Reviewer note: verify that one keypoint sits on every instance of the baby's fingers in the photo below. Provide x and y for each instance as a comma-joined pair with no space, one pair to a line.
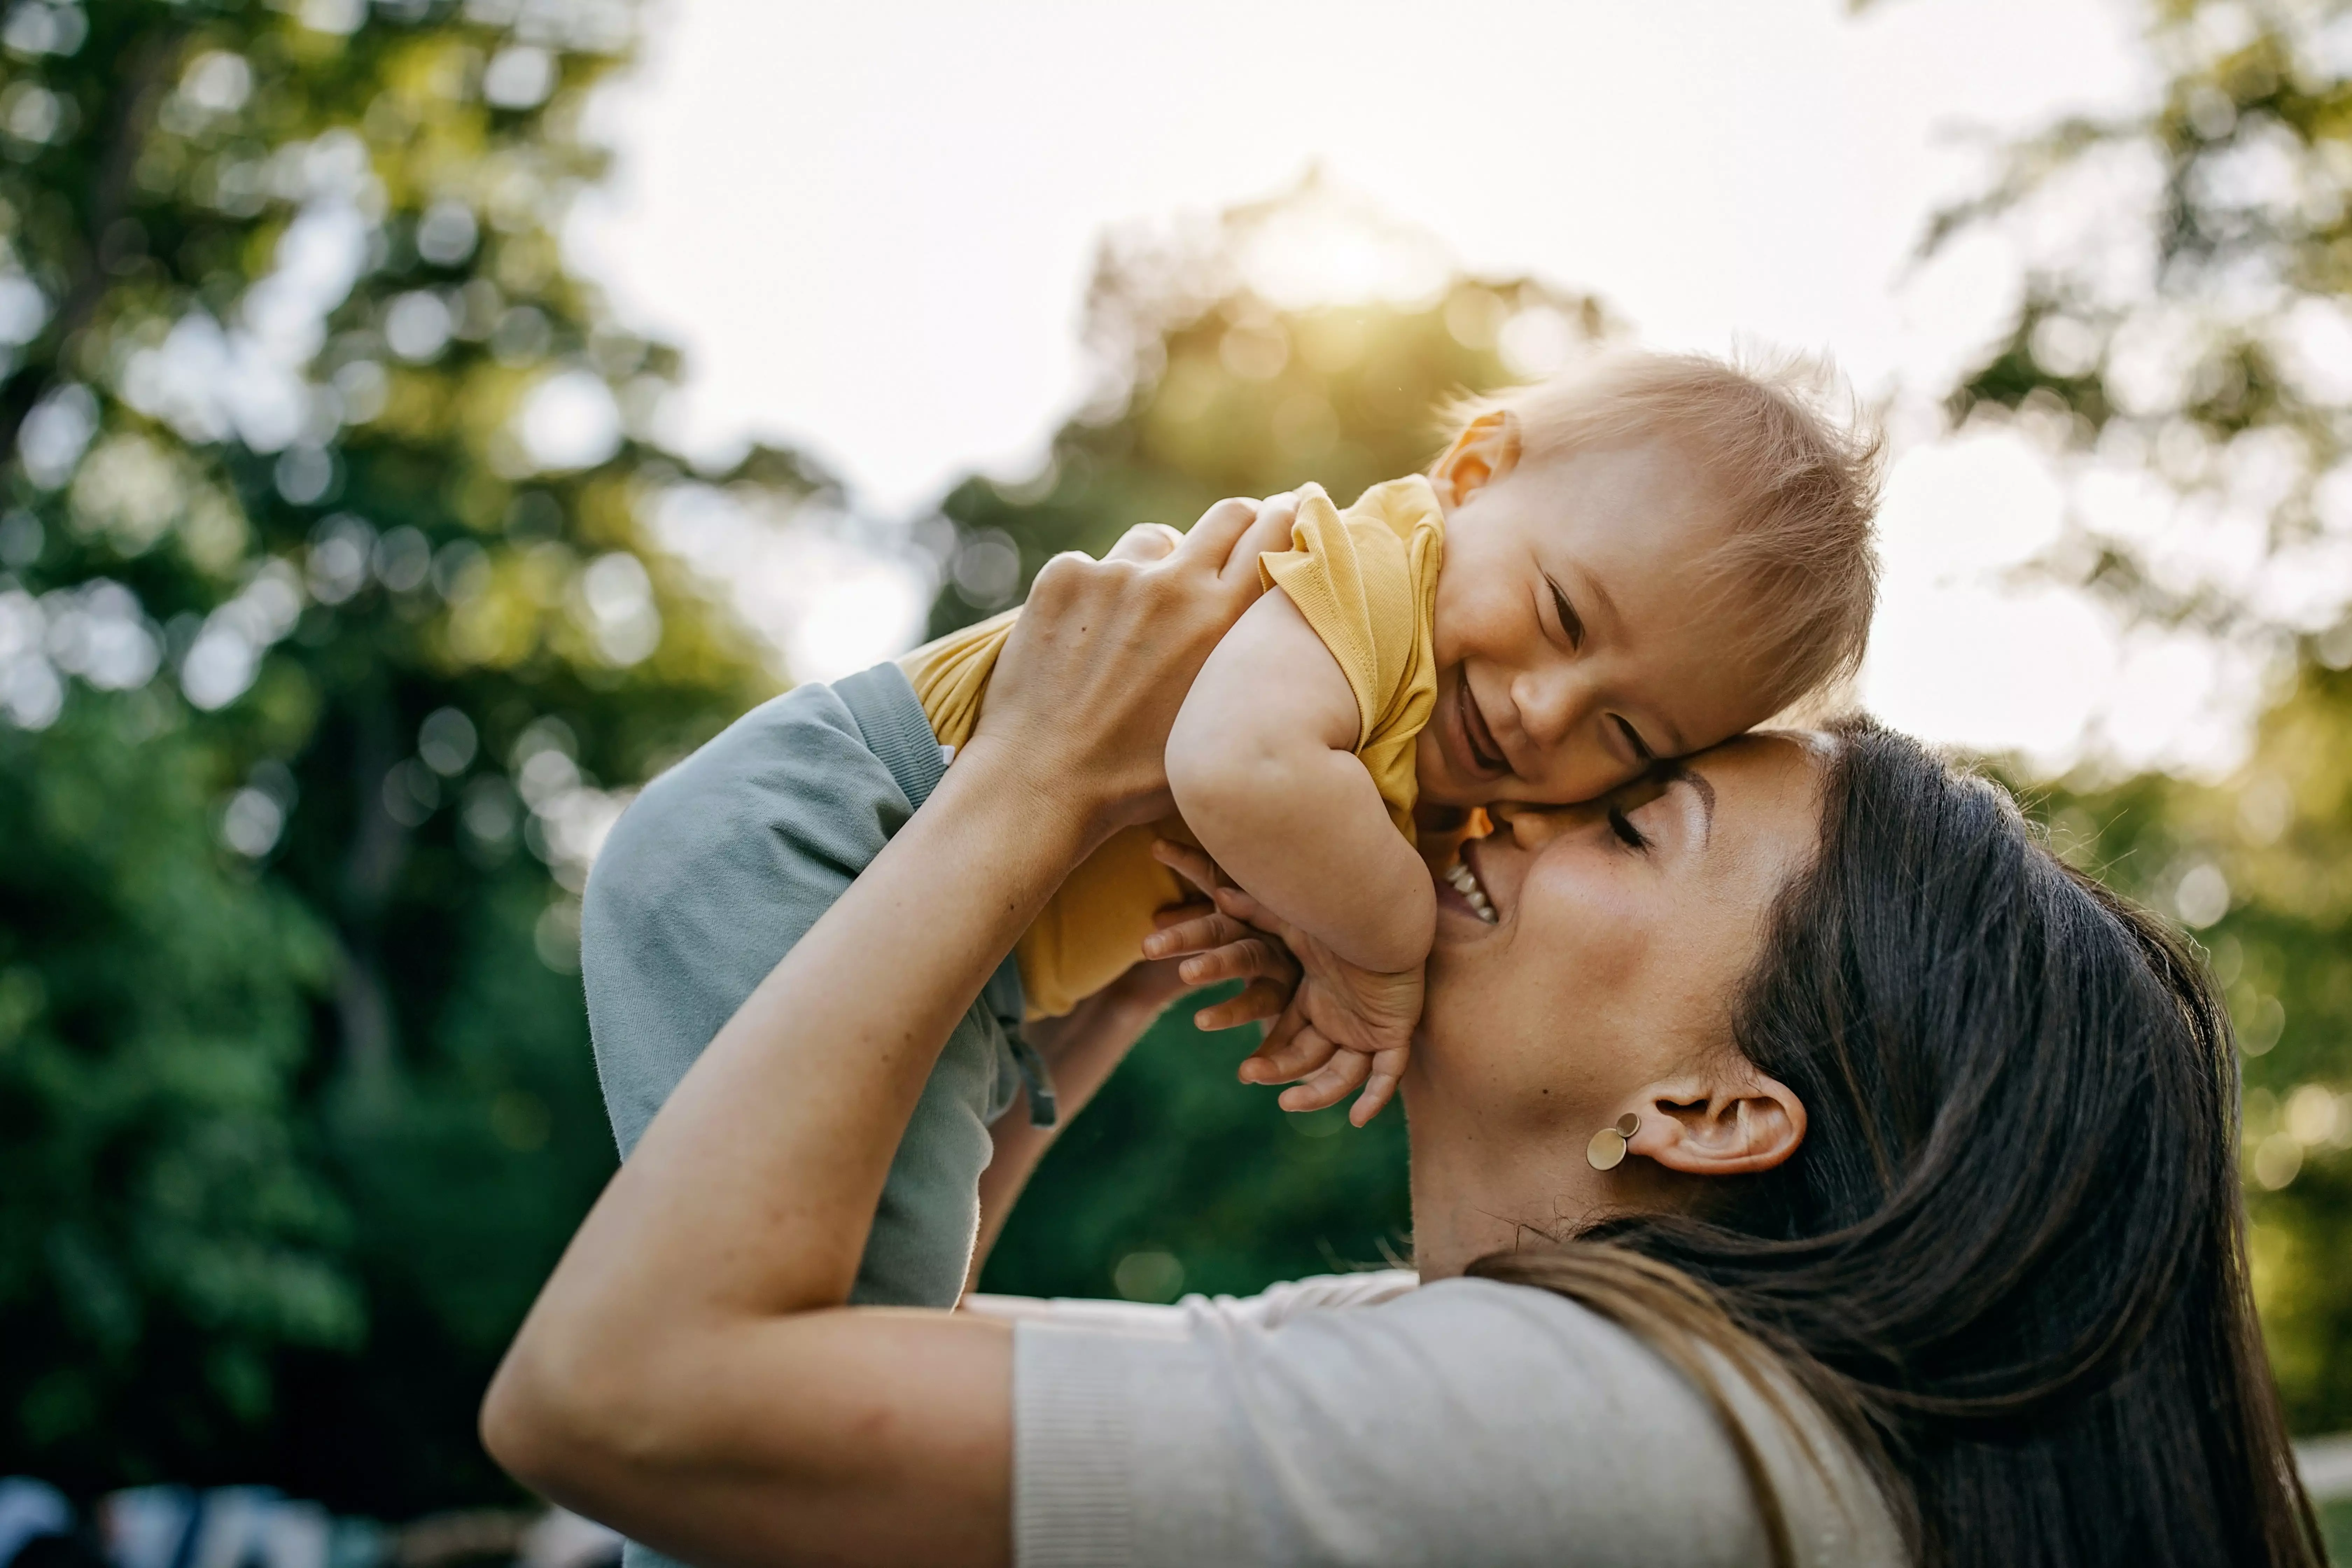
1388,1071
1188,861
1258,1000
1253,959
1336,1079
1291,1051
1239,905
1199,932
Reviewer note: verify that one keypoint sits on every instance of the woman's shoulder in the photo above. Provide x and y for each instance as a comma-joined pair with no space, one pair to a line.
1462,1421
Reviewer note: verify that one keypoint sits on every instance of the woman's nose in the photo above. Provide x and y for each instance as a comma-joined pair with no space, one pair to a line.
1530,827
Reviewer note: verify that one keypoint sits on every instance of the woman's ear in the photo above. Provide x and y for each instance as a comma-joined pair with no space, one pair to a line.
1728,1127
1487,448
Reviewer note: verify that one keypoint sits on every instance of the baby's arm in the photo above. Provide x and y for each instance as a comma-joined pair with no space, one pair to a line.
1263,767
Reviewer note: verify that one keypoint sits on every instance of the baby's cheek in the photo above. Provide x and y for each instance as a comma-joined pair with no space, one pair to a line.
1433,776
1573,775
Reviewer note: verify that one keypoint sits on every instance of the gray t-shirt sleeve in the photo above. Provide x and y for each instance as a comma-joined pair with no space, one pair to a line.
714,872
1467,1423
717,869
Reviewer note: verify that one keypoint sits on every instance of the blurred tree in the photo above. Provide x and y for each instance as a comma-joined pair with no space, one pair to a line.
327,600
1226,368
2184,343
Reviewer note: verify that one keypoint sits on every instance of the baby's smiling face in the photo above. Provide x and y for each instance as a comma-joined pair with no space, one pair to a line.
1576,639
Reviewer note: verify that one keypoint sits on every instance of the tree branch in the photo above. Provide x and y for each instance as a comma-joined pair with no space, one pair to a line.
138,89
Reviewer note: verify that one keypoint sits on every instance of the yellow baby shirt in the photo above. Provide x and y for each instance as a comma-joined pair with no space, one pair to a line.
1366,580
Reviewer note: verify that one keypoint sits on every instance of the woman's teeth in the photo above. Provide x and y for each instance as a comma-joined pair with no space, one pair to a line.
1465,884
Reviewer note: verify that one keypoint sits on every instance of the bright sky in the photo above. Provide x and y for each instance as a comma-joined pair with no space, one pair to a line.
870,226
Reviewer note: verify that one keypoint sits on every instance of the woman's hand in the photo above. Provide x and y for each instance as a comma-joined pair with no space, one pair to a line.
1342,1027
1091,678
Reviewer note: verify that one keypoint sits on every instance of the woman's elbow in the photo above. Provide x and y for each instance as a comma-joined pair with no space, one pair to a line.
526,1426
562,1428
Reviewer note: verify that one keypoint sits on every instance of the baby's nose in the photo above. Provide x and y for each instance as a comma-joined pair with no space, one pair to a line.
1549,703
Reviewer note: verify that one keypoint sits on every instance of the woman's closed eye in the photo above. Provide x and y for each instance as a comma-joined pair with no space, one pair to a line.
1623,826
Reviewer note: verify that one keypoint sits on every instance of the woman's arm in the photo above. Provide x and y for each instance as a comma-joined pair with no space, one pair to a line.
689,1373
1263,767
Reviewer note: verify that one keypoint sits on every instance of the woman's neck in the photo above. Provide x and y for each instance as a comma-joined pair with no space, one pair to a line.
1479,1188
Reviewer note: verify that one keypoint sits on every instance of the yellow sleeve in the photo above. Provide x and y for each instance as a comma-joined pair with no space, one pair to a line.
1366,580
950,675
1094,926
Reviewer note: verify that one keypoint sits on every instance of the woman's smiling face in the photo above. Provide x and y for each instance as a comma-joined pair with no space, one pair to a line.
1614,938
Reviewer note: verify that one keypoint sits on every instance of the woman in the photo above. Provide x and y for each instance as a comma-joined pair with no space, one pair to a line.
1920,1238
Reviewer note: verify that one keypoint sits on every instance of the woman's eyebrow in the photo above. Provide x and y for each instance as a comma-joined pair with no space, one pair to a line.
1675,773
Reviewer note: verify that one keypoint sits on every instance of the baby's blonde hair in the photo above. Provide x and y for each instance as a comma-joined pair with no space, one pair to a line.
1796,464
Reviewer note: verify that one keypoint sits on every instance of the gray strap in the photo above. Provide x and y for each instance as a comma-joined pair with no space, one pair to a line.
899,733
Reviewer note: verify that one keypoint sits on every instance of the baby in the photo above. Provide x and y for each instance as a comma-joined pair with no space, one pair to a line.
1632,562
1629,562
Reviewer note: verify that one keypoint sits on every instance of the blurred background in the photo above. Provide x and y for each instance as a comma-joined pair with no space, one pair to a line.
422,421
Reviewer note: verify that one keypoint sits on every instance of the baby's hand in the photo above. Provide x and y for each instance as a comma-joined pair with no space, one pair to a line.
1343,1027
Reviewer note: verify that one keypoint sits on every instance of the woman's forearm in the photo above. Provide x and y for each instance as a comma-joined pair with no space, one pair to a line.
753,1192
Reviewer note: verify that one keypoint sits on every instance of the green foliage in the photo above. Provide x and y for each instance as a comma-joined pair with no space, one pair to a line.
1215,390
2196,338
327,612
1176,1161
164,1226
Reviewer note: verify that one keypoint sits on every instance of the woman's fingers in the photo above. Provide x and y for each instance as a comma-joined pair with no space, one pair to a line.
1094,670
1338,1077
1269,531
1146,541
1212,543
1231,535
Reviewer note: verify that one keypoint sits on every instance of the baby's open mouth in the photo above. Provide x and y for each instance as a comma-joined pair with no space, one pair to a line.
1480,740
1464,882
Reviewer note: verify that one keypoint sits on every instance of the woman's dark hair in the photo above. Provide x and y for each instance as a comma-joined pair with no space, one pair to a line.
2009,1259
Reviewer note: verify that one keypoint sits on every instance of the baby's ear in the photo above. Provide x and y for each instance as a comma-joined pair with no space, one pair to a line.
1487,448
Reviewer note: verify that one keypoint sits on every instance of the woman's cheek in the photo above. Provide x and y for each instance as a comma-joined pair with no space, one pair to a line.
1591,917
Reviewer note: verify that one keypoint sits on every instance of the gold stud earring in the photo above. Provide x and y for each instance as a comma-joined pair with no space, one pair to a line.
1607,1150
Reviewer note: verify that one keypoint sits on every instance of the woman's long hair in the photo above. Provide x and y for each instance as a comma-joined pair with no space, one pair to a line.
2010,1258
